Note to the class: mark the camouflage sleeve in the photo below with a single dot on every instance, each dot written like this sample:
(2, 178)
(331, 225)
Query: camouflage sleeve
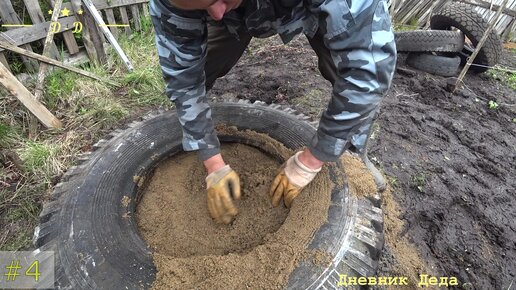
(181, 40)
(361, 42)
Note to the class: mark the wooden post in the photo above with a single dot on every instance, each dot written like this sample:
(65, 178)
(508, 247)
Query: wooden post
(479, 46)
(14, 87)
(506, 34)
(70, 42)
(146, 13)
(393, 7)
(110, 16)
(490, 6)
(38, 91)
(427, 25)
(36, 15)
(98, 19)
(136, 17)
(91, 36)
(3, 60)
(9, 16)
(125, 20)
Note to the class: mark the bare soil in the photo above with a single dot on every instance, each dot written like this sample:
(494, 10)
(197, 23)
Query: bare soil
(450, 160)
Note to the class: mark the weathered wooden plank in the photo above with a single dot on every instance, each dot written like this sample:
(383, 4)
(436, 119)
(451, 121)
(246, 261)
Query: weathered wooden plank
(70, 42)
(423, 15)
(488, 5)
(506, 33)
(38, 31)
(145, 9)
(68, 37)
(405, 8)
(67, 5)
(14, 87)
(34, 10)
(125, 20)
(38, 92)
(91, 32)
(136, 17)
(54, 62)
(392, 8)
(413, 12)
(9, 16)
(107, 33)
(399, 5)
(111, 20)
(103, 4)
(36, 15)
(4, 61)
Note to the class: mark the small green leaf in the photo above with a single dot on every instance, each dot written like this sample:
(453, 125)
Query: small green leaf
(493, 105)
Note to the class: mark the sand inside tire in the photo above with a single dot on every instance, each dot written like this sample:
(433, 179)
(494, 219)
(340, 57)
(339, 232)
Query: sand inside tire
(258, 250)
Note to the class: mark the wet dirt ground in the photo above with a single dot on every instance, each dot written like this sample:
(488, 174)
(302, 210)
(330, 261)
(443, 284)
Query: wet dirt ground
(450, 159)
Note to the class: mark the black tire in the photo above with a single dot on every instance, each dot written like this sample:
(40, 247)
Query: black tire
(466, 19)
(429, 41)
(434, 64)
(94, 235)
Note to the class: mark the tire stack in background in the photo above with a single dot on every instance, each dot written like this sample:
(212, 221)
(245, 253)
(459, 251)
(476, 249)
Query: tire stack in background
(456, 31)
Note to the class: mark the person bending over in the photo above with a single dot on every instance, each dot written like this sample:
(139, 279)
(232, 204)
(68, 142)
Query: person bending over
(199, 41)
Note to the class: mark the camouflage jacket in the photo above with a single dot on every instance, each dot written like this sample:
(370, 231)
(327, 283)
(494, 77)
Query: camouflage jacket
(357, 33)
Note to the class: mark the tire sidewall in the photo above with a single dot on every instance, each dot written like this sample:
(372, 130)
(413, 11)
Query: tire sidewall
(95, 234)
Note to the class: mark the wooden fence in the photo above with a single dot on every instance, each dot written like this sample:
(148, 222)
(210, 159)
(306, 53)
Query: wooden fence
(418, 12)
(122, 16)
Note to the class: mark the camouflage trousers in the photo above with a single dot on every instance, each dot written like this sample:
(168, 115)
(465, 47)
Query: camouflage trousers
(224, 50)
(356, 53)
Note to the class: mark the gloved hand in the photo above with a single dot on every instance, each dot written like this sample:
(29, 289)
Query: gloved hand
(223, 187)
(292, 178)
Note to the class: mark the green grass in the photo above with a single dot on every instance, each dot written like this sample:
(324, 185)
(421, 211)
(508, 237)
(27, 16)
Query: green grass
(40, 159)
(411, 25)
(419, 181)
(104, 112)
(145, 83)
(307, 100)
(5, 132)
(146, 86)
(35, 155)
(19, 216)
(146, 23)
(506, 78)
(9, 135)
(58, 86)
(89, 109)
(511, 80)
(393, 180)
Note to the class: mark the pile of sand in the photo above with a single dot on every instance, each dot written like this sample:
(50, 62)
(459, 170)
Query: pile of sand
(258, 250)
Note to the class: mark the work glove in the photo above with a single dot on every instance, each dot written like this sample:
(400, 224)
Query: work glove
(292, 178)
(223, 187)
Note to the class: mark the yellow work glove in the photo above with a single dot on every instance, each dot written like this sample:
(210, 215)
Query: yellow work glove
(292, 178)
(223, 187)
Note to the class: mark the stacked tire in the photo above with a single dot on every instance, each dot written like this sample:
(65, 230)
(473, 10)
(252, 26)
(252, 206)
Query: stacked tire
(456, 31)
